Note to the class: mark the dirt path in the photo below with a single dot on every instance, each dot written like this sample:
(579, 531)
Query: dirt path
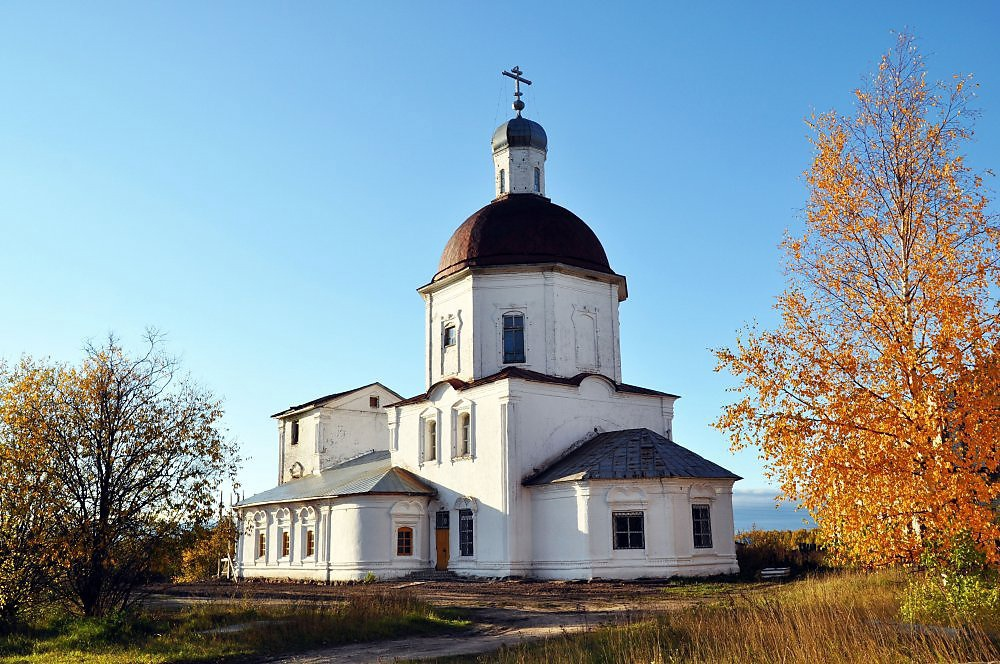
(494, 628)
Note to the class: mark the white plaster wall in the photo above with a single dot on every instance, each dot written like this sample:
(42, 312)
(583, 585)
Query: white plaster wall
(450, 305)
(333, 432)
(517, 427)
(669, 542)
(520, 164)
(481, 475)
(571, 324)
(354, 536)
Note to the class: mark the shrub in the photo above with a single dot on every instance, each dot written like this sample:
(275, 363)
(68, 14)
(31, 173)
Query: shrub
(957, 588)
(757, 549)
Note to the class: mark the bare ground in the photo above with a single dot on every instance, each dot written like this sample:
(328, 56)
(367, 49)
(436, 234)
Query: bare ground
(502, 612)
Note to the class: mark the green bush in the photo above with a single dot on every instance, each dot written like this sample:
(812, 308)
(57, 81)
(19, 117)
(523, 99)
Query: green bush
(958, 588)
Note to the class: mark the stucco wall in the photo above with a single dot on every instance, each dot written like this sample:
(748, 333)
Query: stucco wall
(571, 324)
(519, 163)
(332, 432)
(581, 514)
(354, 536)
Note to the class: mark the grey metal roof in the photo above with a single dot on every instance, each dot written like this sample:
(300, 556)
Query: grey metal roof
(370, 473)
(628, 454)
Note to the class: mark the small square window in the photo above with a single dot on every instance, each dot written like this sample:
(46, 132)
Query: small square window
(450, 336)
(701, 521)
(373, 402)
(629, 530)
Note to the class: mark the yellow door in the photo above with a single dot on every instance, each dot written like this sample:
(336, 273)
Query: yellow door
(442, 548)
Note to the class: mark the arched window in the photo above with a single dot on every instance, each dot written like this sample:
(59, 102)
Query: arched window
(503, 181)
(464, 434)
(513, 338)
(430, 439)
(538, 180)
(404, 541)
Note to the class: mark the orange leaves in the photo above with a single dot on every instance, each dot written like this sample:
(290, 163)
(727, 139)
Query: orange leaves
(876, 401)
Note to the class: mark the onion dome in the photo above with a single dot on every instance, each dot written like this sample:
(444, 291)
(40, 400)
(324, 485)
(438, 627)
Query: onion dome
(519, 132)
(519, 230)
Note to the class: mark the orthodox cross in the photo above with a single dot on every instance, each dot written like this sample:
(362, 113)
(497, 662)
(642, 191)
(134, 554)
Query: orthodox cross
(515, 74)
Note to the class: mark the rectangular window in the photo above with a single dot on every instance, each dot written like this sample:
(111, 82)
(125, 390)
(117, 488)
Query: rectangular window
(373, 402)
(295, 432)
(441, 519)
(285, 544)
(513, 338)
(465, 527)
(629, 530)
(430, 452)
(261, 545)
(404, 541)
(538, 180)
(464, 431)
(450, 336)
(310, 542)
(701, 520)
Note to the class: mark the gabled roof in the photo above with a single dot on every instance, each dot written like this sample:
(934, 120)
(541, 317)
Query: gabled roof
(534, 376)
(370, 473)
(330, 397)
(628, 454)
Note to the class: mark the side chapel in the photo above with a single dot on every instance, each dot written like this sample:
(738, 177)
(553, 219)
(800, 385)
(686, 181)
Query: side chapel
(527, 455)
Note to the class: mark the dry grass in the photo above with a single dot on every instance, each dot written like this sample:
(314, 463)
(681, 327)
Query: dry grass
(190, 635)
(839, 618)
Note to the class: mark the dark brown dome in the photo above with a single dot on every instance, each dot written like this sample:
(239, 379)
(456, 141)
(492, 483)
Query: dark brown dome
(519, 229)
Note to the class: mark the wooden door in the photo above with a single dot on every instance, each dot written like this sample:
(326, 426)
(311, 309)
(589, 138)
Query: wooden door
(443, 551)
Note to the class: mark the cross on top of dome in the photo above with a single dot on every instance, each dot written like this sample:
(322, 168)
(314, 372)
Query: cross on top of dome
(515, 74)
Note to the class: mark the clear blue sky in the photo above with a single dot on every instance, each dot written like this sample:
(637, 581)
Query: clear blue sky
(269, 182)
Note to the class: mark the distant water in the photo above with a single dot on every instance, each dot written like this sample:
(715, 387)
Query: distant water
(754, 508)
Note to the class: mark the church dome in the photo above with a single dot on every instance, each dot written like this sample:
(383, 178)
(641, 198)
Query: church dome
(522, 229)
(520, 132)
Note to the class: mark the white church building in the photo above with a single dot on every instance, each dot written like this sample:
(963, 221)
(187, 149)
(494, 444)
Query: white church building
(527, 455)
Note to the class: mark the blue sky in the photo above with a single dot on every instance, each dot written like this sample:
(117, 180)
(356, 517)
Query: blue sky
(268, 183)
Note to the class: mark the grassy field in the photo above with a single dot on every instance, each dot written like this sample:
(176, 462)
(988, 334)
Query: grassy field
(187, 635)
(837, 618)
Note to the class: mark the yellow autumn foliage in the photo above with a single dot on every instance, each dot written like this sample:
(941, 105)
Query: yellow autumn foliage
(875, 401)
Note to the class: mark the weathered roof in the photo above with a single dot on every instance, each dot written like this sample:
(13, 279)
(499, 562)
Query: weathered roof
(331, 397)
(520, 229)
(370, 473)
(533, 376)
(628, 454)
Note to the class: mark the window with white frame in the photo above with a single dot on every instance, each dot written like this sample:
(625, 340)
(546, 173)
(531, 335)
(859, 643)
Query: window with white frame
(310, 542)
(513, 337)
(701, 522)
(449, 336)
(466, 532)
(404, 541)
(286, 544)
(430, 440)
(464, 434)
(261, 545)
(629, 530)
